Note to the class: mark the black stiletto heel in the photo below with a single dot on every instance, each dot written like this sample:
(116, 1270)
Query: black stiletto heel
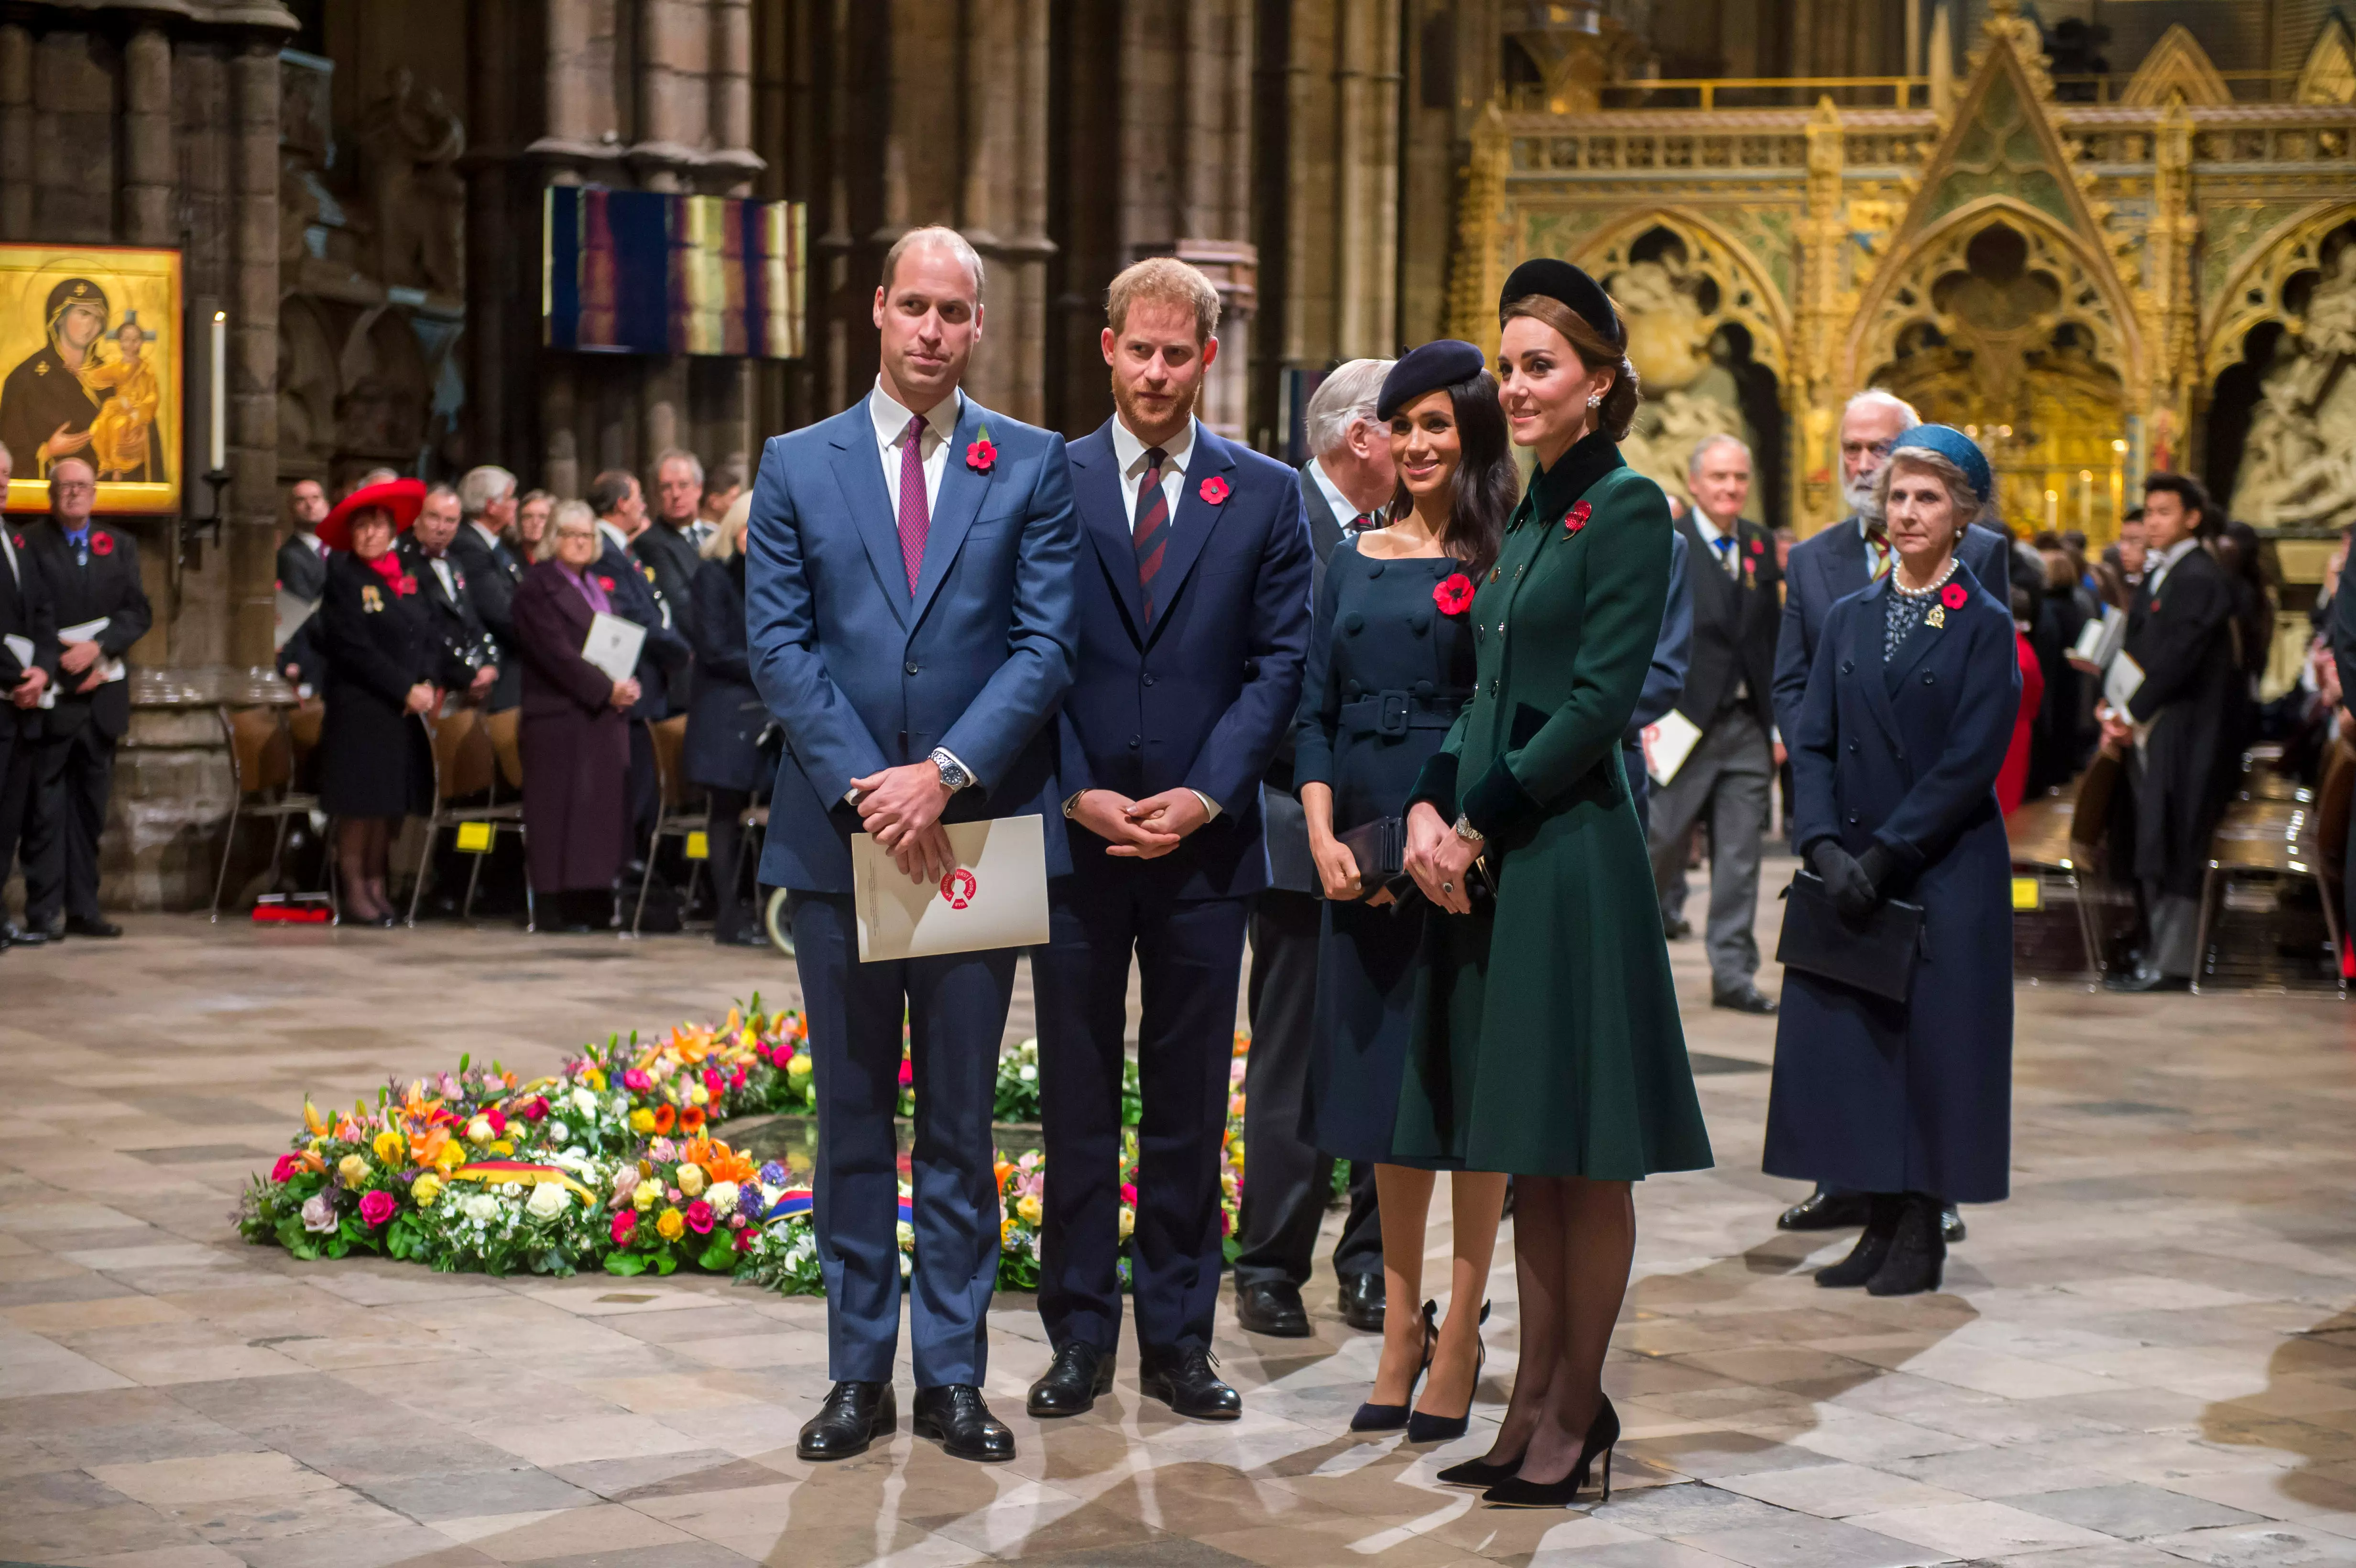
(1602, 1436)
(1423, 1428)
(1479, 1473)
(1391, 1417)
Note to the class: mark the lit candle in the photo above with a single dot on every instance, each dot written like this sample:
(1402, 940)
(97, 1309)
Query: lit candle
(2086, 502)
(2052, 508)
(220, 390)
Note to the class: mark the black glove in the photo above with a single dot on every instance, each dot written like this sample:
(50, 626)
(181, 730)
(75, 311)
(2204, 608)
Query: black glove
(1851, 887)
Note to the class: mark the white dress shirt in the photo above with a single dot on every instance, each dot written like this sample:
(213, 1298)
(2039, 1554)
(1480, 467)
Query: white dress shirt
(442, 570)
(1345, 511)
(489, 536)
(9, 549)
(892, 426)
(2156, 564)
(1711, 534)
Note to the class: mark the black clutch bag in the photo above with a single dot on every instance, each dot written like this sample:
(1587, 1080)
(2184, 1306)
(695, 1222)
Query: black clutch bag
(1875, 956)
(1380, 849)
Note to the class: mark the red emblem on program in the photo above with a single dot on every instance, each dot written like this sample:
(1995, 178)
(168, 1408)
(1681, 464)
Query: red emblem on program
(958, 886)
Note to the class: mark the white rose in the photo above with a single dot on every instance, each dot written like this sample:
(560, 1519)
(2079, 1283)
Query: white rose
(482, 1206)
(547, 1201)
(559, 1133)
(584, 1100)
(1028, 1072)
(722, 1197)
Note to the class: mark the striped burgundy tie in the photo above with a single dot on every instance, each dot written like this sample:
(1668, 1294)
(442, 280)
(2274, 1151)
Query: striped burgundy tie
(916, 518)
(1152, 530)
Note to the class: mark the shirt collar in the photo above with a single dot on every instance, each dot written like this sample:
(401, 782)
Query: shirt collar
(1710, 532)
(1129, 453)
(487, 536)
(614, 536)
(1344, 513)
(891, 417)
(2156, 564)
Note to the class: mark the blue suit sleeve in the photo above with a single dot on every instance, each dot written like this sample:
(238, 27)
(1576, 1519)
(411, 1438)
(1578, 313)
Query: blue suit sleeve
(1028, 686)
(1672, 655)
(1792, 660)
(825, 732)
(1811, 735)
(1977, 736)
(1236, 752)
(1321, 696)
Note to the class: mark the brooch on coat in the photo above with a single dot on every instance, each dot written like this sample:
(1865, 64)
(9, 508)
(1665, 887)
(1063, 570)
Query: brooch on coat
(1951, 597)
(372, 600)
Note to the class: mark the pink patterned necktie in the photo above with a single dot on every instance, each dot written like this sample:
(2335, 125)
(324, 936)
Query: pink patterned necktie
(916, 519)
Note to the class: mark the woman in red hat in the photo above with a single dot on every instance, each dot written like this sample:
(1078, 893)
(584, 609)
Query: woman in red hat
(376, 762)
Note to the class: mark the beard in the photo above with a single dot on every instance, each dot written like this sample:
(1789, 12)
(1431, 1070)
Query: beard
(1859, 494)
(1136, 414)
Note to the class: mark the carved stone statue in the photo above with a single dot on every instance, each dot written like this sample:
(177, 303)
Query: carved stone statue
(411, 142)
(2299, 463)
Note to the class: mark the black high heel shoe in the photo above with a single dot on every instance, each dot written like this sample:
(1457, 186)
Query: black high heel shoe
(1602, 1435)
(1479, 1473)
(1391, 1417)
(1423, 1428)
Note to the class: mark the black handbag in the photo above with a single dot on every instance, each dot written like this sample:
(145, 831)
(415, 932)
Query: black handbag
(1875, 956)
(1380, 849)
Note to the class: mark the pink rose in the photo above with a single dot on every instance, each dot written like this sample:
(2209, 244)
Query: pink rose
(498, 1123)
(744, 1240)
(377, 1206)
(736, 1078)
(714, 1085)
(623, 1224)
(635, 1081)
(908, 1072)
(1129, 1194)
(699, 1216)
(534, 1109)
(286, 1168)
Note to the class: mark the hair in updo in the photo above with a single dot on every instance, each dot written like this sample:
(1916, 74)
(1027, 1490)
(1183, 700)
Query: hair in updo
(1618, 411)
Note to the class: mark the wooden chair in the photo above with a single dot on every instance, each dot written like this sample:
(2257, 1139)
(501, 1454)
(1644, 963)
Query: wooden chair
(2268, 845)
(2058, 840)
(262, 747)
(468, 763)
(673, 818)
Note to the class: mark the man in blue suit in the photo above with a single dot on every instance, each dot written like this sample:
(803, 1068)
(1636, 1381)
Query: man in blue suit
(909, 610)
(1193, 626)
(1827, 567)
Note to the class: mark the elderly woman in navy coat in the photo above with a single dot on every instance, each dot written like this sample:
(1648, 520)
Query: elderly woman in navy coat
(1909, 710)
(725, 719)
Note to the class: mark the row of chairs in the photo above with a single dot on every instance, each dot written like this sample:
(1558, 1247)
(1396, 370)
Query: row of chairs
(2271, 893)
(476, 754)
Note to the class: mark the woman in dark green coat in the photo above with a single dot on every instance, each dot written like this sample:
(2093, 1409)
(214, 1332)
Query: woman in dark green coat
(1547, 1040)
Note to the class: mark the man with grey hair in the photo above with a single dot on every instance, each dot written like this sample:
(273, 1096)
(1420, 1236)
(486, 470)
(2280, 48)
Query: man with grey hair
(1344, 487)
(487, 495)
(1830, 565)
(1726, 776)
(670, 547)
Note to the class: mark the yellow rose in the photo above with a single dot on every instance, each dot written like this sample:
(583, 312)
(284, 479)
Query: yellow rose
(1006, 1232)
(352, 1169)
(425, 1189)
(1029, 1209)
(671, 1224)
(698, 1095)
(595, 1079)
(798, 1065)
(691, 1179)
(1127, 1220)
(644, 1195)
(642, 1121)
(451, 1157)
(389, 1145)
(479, 1131)
(501, 1146)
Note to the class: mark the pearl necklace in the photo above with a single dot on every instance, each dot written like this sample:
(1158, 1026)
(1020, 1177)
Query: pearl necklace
(1927, 589)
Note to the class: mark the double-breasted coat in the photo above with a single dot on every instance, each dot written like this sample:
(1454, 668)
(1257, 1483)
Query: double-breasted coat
(1872, 1095)
(1545, 1039)
(375, 758)
(2194, 697)
(576, 744)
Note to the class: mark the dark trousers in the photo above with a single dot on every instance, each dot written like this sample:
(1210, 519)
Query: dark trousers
(73, 775)
(1190, 955)
(955, 1010)
(16, 753)
(645, 794)
(730, 912)
(1285, 1197)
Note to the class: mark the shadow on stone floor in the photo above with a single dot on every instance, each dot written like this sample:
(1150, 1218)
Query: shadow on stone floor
(2307, 1375)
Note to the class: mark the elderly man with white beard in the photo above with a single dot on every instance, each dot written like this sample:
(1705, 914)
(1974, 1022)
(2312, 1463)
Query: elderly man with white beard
(1853, 554)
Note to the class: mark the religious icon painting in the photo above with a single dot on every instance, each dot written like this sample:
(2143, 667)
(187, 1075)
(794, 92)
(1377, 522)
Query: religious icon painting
(91, 359)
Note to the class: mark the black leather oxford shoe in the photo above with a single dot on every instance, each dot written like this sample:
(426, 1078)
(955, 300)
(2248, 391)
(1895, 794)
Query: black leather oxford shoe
(854, 1416)
(1361, 1301)
(1747, 998)
(1272, 1307)
(1824, 1209)
(1184, 1380)
(955, 1416)
(1073, 1380)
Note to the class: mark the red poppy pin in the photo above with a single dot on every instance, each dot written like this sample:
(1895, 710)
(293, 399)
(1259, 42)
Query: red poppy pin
(1214, 490)
(1453, 593)
(1759, 547)
(19, 539)
(1576, 518)
(606, 583)
(981, 456)
(406, 585)
(1953, 596)
(101, 544)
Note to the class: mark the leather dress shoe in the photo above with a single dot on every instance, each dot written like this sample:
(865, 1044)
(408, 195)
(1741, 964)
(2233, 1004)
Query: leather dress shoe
(1824, 1209)
(1073, 1380)
(1361, 1301)
(1676, 927)
(21, 936)
(2140, 984)
(1951, 1224)
(1272, 1307)
(77, 926)
(1747, 998)
(854, 1415)
(955, 1416)
(1184, 1380)
(751, 936)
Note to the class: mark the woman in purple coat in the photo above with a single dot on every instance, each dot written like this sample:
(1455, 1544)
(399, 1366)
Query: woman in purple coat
(576, 743)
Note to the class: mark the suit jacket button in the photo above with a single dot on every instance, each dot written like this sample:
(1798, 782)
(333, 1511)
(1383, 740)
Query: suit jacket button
(1848, 666)
(1852, 747)
(1852, 820)
(1148, 680)
(1132, 742)
(1926, 678)
(910, 667)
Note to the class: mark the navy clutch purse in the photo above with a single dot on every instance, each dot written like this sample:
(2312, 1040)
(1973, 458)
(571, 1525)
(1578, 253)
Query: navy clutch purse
(1875, 956)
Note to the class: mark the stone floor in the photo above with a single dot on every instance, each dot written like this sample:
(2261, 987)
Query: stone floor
(2146, 1357)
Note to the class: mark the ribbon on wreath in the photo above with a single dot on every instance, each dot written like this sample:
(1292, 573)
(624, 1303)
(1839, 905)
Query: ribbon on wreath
(525, 1174)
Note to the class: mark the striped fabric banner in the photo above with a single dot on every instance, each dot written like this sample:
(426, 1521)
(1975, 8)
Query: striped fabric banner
(633, 271)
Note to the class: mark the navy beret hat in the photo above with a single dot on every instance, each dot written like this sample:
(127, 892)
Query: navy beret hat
(1439, 364)
(1561, 281)
(1956, 447)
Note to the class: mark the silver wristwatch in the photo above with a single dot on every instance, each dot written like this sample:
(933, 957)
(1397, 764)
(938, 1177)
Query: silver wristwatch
(953, 775)
(1465, 830)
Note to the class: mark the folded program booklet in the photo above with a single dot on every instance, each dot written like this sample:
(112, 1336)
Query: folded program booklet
(995, 897)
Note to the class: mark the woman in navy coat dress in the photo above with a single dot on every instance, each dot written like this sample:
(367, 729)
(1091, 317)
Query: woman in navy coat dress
(1390, 666)
(1909, 711)
(724, 719)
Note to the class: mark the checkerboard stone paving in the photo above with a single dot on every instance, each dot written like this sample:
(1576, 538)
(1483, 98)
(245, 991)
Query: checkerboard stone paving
(2146, 1357)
